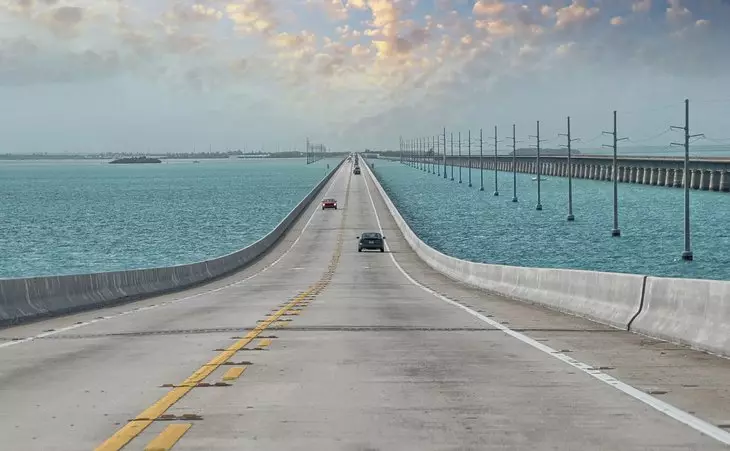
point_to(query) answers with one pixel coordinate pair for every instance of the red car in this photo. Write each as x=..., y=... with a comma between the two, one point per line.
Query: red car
x=329, y=203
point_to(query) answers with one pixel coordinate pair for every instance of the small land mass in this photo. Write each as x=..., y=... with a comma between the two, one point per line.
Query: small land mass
x=136, y=160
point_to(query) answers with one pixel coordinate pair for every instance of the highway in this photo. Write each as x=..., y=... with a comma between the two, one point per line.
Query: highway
x=318, y=346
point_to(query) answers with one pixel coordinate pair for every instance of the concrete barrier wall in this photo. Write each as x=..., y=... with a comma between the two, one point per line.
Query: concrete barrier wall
x=28, y=298
x=608, y=298
x=693, y=312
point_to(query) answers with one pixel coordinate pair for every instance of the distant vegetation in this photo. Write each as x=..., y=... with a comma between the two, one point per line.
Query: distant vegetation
x=165, y=156
x=136, y=160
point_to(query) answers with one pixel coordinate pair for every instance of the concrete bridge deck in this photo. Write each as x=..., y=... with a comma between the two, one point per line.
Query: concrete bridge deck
x=704, y=173
x=349, y=351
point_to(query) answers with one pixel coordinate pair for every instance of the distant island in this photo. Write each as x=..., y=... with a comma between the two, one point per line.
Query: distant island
x=136, y=160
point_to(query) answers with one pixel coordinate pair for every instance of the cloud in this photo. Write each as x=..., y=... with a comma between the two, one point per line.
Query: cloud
x=489, y=8
x=346, y=64
x=252, y=16
x=576, y=13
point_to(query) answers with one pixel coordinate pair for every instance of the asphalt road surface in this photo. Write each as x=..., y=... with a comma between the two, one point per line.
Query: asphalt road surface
x=319, y=347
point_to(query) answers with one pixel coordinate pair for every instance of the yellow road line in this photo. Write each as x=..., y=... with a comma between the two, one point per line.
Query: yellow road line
x=234, y=373
x=134, y=427
x=168, y=437
x=264, y=343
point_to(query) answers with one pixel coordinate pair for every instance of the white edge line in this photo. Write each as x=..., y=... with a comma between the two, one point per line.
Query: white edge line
x=172, y=301
x=663, y=407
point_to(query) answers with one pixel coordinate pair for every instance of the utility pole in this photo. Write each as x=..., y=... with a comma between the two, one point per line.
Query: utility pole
x=429, y=150
x=469, y=146
x=424, y=161
x=433, y=155
x=570, y=172
x=481, y=163
x=410, y=152
x=444, y=152
x=687, y=253
x=452, y=156
x=514, y=163
x=496, y=186
x=421, y=165
x=460, y=164
x=438, y=154
x=538, y=207
x=614, y=174
x=400, y=145
x=307, y=151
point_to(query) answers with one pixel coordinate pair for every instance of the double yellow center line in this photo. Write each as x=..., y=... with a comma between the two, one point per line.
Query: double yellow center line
x=172, y=433
x=138, y=424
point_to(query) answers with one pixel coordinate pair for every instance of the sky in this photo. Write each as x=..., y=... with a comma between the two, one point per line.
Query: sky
x=173, y=75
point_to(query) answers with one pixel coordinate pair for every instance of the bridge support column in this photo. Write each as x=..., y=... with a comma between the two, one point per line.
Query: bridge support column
x=705, y=180
x=695, y=178
x=725, y=181
x=715, y=180
x=679, y=178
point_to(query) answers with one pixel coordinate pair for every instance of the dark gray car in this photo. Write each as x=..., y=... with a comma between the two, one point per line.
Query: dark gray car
x=371, y=240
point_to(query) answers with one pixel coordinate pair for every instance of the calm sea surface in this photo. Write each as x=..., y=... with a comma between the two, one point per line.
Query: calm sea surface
x=473, y=225
x=70, y=217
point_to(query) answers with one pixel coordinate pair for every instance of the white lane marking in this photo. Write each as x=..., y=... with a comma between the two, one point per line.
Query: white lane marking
x=161, y=304
x=663, y=407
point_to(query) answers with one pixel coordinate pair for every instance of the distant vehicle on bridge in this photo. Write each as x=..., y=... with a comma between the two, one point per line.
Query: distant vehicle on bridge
x=357, y=170
x=329, y=203
x=371, y=241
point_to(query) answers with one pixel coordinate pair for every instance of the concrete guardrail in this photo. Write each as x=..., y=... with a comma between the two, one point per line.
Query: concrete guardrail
x=25, y=299
x=693, y=312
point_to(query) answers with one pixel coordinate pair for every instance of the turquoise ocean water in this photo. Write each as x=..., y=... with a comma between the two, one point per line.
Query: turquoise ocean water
x=71, y=217
x=475, y=225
